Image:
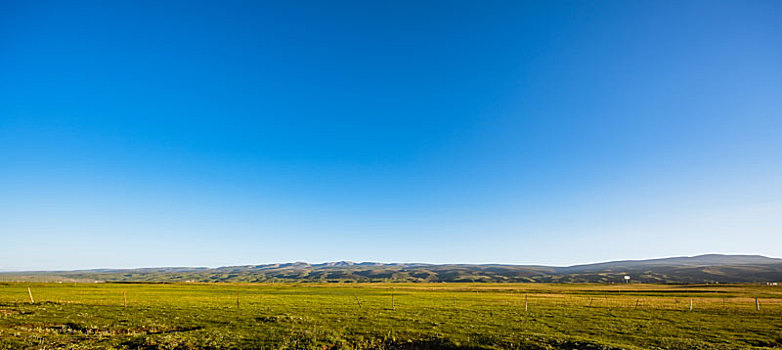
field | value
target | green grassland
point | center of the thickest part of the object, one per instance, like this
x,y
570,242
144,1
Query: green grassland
x,y
359,316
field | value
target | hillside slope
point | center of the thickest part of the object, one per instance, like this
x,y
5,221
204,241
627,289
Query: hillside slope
x,y
711,268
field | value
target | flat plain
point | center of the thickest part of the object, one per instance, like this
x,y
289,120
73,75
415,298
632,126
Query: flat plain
x,y
388,316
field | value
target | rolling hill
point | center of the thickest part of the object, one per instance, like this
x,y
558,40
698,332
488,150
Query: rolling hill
x,y
712,268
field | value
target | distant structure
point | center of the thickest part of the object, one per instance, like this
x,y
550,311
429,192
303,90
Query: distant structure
x,y
627,279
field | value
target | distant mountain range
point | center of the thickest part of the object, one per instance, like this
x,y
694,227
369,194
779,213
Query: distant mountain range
x,y
711,268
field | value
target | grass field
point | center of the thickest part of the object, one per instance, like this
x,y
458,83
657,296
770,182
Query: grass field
x,y
403,316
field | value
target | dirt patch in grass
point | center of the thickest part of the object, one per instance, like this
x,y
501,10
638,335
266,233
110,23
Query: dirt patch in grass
x,y
4,312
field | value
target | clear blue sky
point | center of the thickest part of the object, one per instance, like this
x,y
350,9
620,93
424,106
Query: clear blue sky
x,y
164,133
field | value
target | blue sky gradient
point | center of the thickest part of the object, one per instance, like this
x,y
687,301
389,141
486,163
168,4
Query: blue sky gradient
x,y
149,133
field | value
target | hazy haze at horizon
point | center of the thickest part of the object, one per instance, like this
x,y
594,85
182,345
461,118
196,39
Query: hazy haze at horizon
x,y
141,134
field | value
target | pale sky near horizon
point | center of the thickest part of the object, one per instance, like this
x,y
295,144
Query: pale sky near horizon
x,y
204,133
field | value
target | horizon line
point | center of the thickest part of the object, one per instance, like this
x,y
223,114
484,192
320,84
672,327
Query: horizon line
x,y
387,263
